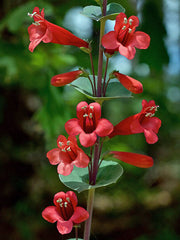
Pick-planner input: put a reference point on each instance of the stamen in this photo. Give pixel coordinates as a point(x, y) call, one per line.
point(68, 149)
point(130, 21)
point(125, 20)
point(63, 150)
point(59, 200)
point(84, 107)
point(130, 30)
point(61, 144)
point(36, 23)
point(68, 143)
point(124, 27)
point(31, 14)
point(68, 199)
point(91, 115)
point(61, 204)
point(65, 204)
point(149, 114)
point(91, 107)
point(85, 115)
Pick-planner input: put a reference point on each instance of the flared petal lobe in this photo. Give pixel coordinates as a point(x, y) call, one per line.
point(134, 159)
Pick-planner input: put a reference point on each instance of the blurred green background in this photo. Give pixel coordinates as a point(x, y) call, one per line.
point(144, 204)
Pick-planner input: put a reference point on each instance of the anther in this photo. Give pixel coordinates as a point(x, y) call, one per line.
point(61, 204)
point(85, 115)
point(65, 204)
point(90, 115)
point(130, 30)
point(125, 20)
point(61, 144)
point(124, 27)
point(59, 200)
point(31, 14)
point(91, 107)
point(130, 21)
point(63, 150)
point(36, 23)
point(84, 107)
point(68, 143)
point(68, 149)
point(68, 199)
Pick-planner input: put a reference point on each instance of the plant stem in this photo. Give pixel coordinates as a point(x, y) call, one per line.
point(92, 66)
point(107, 61)
point(95, 162)
point(100, 60)
point(90, 203)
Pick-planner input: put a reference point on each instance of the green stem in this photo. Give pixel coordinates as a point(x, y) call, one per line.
point(107, 61)
point(100, 60)
point(90, 203)
point(92, 66)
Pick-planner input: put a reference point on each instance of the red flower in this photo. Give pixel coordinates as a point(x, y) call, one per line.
point(67, 155)
point(134, 159)
point(143, 122)
point(65, 212)
point(65, 78)
point(45, 31)
point(124, 38)
point(129, 83)
point(89, 124)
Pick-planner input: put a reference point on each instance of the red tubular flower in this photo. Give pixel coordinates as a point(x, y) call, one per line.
point(143, 122)
point(65, 212)
point(134, 159)
point(67, 155)
point(45, 31)
point(124, 38)
point(129, 83)
point(65, 78)
point(89, 124)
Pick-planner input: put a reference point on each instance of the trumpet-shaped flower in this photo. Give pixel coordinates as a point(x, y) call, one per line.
point(42, 30)
point(134, 159)
point(129, 83)
point(65, 212)
point(65, 78)
point(67, 155)
point(143, 122)
point(88, 124)
point(124, 38)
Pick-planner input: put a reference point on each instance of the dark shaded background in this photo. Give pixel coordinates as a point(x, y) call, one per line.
point(144, 204)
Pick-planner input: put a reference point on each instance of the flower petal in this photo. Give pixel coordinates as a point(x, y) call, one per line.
point(104, 127)
point(141, 40)
point(87, 139)
point(80, 215)
point(73, 198)
point(150, 136)
point(109, 41)
point(128, 52)
point(53, 156)
point(72, 127)
point(64, 227)
point(82, 159)
point(64, 168)
point(50, 214)
point(134, 159)
point(152, 123)
point(58, 196)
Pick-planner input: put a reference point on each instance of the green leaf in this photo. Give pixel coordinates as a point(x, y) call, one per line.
point(95, 13)
point(114, 90)
point(108, 173)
